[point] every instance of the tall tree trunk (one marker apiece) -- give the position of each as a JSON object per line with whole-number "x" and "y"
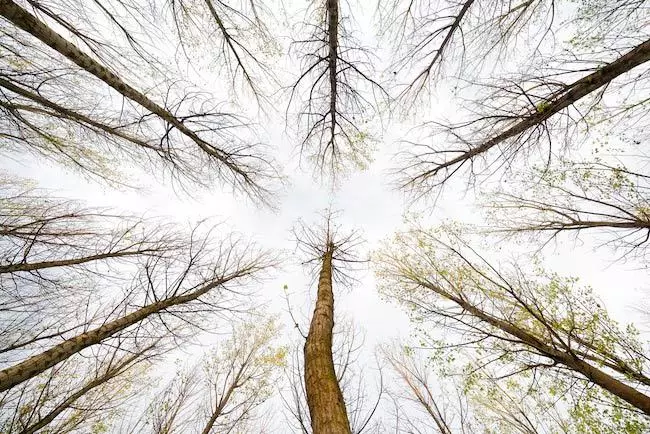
{"x": 324, "y": 397}
{"x": 32, "y": 25}
{"x": 37, "y": 364}
{"x": 567, "y": 358}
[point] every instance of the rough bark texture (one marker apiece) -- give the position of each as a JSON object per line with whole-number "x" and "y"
{"x": 562, "y": 357}
{"x": 37, "y": 364}
{"x": 30, "y": 24}
{"x": 324, "y": 397}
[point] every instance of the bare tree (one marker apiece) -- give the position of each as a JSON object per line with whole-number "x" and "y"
{"x": 223, "y": 391}
{"x": 78, "y": 393}
{"x": 324, "y": 397}
{"x": 179, "y": 283}
{"x": 538, "y": 323}
{"x": 417, "y": 384}
{"x": 510, "y": 131}
{"x": 438, "y": 391}
{"x": 30, "y": 93}
{"x": 338, "y": 91}
{"x": 576, "y": 197}
{"x": 233, "y": 26}
{"x": 55, "y": 254}
{"x": 240, "y": 376}
{"x": 515, "y": 112}
{"x": 427, "y": 35}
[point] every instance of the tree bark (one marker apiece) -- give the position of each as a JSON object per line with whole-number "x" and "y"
{"x": 566, "y": 358}
{"x": 37, "y": 364}
{"x": 324, "y": 397}
{"x": 32, "y": 25}
{"x": 569, "y": 95}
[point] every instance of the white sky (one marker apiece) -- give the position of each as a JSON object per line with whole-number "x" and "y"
{"x": 367, "y": 202}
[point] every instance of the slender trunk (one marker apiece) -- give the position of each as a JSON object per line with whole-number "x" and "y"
{"x": 37, "y": 364}
{"x": 231, "y": 44}
{"x": 64, "y": 113}
{"x": 324, "y": 397}
{"x": 333, "y": 42}
{"x": 455, "y": 26}
{"x": 566, "y": 358}
{"x": 222, "y": 402}
{"x": 108, "y": 375}
{"x": 32, "y": 266}
{"x": 430, "y": 406}
{"x": 569, "y": 95}
{"x": 32, "y": 25}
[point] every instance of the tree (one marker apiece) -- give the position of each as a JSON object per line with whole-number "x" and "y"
{"x": 223, "y": 391}
{"x": 32, "y": 85}
{"x": 78, "y": 393}
{"x": 350, "y": 375}
{"x": 607, "y": 200}
{"x": 91, "y": 299}
{"x": 235, "y": 25}
{"x": 505, "y": 115}
{"x": 454, "y": 398}
{"x": 55, "y": 253}
{"x": 240, "y": 376}
{"x": 171, "y": 274}
{"x": 324, "y": 247}
{"x": 416, "y": 385}
{"x": 533, "y": 323}
{"x": 427, "y": 37}
{"x": 338, "y": 82}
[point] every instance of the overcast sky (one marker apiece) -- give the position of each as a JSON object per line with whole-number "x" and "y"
{"x": 367, "y": 201}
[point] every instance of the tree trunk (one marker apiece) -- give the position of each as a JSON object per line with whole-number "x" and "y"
{"x": 557, "y": 102}
{"x": 570, "y": 360}
{"x": 223, "y": 401}
{"x": 33, "y": 266}
{"x": 32, "y": 25}
{"x": 68, "y": 403}
{"x": 37, "y": 364}
{"x": 324, "y": 397}
{"x": 333, "y": 43}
